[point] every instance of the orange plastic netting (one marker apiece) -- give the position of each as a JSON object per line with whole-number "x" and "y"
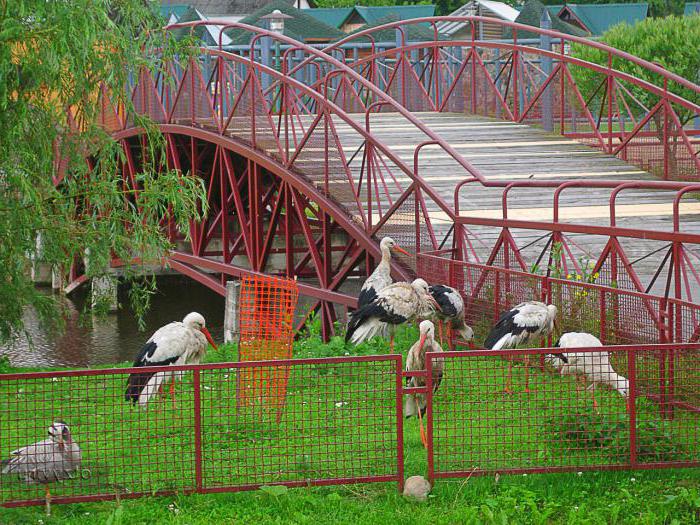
{"x": 267, "y": 307}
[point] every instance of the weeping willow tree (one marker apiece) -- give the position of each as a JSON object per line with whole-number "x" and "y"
{"x": 54, "y": 56}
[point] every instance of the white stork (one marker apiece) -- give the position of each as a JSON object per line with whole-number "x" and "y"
{"x": 518, "y": 325}
{"x": 177, "y": 343}
{"x": 394, "y": 305}
{"x": 381, "y": 276}
{"x": 415, "y": 361}
{"x": 451, "y": 308}
{"x": 46, "y": 461}
{"x": 594, "y": 366}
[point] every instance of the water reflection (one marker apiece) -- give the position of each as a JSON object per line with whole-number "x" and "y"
{"x": 94, "y": 341}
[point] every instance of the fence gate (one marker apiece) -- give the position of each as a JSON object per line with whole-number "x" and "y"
{"x": 552, "y": 422}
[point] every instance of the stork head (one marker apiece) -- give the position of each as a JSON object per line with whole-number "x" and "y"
{"x": 466, "y": 333}
{"x": 420, "y": 286}
{"x": 427, "y": 333}
{"x": 195, "y": 321}
{"x": 60, "y": 433}
{"x": 387, "y": 244}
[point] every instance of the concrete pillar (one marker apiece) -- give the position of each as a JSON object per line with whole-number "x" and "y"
{"x": 40, "y": 271}
{"x": 546, "y": 45}
{"x": 57, "y": 283}
{"x": 232, "y": 329}
{"x": 104, "y": 293}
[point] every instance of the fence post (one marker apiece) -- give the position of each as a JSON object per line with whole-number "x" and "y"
{"x": 546, "y": 45}
{"x": 631, "y": 403}
{"x": 429, "y": 418}
{"x": 197, "y": 432}
{"x": 232, "y": 332}
{"x": 399, "y": 421}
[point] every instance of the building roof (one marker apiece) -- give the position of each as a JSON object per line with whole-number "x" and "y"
{"x": 531, "y": 14}
{"x": 166, "y": 10}
{"x": 414, "y": 32}
{"x": 209, "y": 34}
{"x": 214, "y": 8}
{"x": 598, "y": 18}
{"x": 333, "y": 16}
{"x": 301, "y": 26}
{"x": 373, "y": 14}
{"x": 500, "y": 9}
{"x": 692, "y": 8}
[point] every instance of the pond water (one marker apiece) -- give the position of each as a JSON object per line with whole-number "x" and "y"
{"x": 114, "y": 338}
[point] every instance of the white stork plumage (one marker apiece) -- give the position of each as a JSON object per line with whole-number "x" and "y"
{"x": 518, "y": 325}
{"x": 451, "y": 309}
{"x": 394, "y": 305}
{"x": 416, "y": 404}
{"x": 46, "y": 461}
{"x": 381, "y": 276}
{"x": 177, "y": 343}
{"x": 594, "y": 366}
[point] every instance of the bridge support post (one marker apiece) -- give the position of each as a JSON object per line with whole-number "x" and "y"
{"x": 104, "y": 293}
{"x": 232, "y": 332}
{"x": 40, "y": 271}
{"x": 546, "y": 45}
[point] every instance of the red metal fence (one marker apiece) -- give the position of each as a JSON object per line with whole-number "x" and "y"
{"x": 341, "y": 423}
{"x": 551, "y": 422}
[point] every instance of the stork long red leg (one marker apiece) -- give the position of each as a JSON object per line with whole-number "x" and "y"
{"x": 509, "y": 380}
{"x": 172, "y": 391}
{"x": 527, "y": 373}
{"x": 423, "y": 437}
{"x": 48, "y": 500}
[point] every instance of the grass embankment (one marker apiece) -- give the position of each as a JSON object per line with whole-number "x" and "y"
{"x": 338, "y": 422}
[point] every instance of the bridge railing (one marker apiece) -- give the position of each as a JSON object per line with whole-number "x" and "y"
{"x": 650, "y": 120}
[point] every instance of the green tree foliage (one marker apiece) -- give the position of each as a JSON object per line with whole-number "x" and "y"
{"x": 671, "y": 42}
{"x": 53, "y": 56}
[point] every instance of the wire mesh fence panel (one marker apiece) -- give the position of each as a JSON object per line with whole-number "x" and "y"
{"x": 123, "y": 448}
{"x": 554, "y": 419}
{"x": 339, "y": 423}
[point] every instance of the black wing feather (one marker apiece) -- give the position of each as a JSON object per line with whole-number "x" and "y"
{"x": 505, "y": 325}
{"x": 138, "y": 381}
{"x": 373, "y": 309}
{"x": 439, "y": 293}
{"x": 559, "y": 355}
{"x": 366, "y": 296}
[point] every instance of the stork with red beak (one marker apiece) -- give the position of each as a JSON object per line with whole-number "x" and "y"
{"x": 522, "y": 323}
{"x": 177, "y": 343}
{"x": 394, "y": 305}
{"x": 416, "y": 404}
{"x": 381, "y": 276}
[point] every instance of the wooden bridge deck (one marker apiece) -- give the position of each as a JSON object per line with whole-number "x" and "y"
{"x": 508, "y": 151}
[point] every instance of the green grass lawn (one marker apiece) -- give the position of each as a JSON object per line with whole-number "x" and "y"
{"x": 338, "y": 421}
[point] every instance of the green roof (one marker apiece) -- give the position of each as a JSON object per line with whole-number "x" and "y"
{"x": 173, "y": 9}
{"x": 332, "y": 16}
{"x": 373, "y": 14}
{"x": 531, "y": 14}
{"x": 192, "y": 15}
{"x": 691, "y": 8}
{"x": 598, "y": 18}
{"x": 414, "y": 32}
{"x": 301, "y": 26}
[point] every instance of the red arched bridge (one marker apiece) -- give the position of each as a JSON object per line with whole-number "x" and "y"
{"x": 474, "y": 155}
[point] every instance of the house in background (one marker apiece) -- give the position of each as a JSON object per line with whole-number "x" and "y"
{"x": 485, "y": 30}
{"x": 232, "y": 10}
{"x": 531, "y": 14}
{"x": 300, "y": 26}
{"x": 691, "y": 8}
{"x": 209, "y": 35}
{"x": 350, "y": 19}
{"x": 596, "y": 19}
